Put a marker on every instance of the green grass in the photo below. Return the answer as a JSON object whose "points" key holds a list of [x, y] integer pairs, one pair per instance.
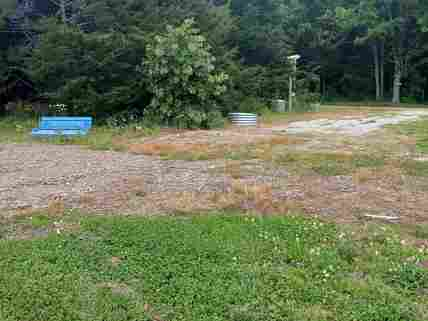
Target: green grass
{"points": [[414, 168], [38, 221], [417, 130], [212, 268], [326, 164], [14, 130], [270, 117], [18, 130], [373, 103]]}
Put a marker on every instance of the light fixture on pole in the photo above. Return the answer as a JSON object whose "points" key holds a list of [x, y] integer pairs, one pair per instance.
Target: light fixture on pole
{"points": [[291, 93]]}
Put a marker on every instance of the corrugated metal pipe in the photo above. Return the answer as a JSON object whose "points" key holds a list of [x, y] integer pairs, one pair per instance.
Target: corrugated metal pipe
{"points": [[243, 119]]}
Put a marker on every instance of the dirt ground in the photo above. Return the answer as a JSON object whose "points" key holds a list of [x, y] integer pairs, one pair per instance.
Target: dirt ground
{"points": [[50, 177]]}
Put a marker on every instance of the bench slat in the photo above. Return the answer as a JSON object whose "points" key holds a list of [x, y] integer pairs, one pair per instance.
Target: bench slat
{"points": [[62, 126], [65, 123], [59, 132]]}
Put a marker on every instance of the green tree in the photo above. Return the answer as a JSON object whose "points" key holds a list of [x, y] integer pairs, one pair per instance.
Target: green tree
{"points": [[7, 5], [387, 21], [93, 73], [368, 17], [180, 74]]}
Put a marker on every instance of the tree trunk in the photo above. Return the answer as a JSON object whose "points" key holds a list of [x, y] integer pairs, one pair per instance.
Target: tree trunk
{"points": [[376, 70], [382, 69], [397, 82], [63, 11], [323, 87]]}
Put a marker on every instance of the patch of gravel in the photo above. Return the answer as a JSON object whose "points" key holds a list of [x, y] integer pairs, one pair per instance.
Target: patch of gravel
{"points": [[348, 126], [34, 175]]}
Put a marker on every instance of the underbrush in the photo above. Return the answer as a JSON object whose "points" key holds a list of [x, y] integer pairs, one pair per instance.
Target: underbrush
{"points": [[216, 267], [18, 130]]}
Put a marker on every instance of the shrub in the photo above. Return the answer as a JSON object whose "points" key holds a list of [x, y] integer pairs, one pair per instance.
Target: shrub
{"points": [[306, 102], [125, 118], [253, 105], [409, 100], [181, 76]]}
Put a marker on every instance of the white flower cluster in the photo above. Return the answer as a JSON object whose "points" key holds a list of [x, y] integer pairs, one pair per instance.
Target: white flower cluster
{"points": [[58, 108]]}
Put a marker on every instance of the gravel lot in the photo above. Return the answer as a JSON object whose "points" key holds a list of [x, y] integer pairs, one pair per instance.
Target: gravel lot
{"points": [[32, 175]]}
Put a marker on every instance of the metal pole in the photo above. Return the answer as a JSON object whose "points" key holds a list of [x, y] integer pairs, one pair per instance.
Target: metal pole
{"points": [[294, 81], [290, 94], [293, 73]]}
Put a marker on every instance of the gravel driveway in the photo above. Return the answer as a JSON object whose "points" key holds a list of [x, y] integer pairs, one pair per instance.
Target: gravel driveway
{"points": [[350, 125], [33, 175]]}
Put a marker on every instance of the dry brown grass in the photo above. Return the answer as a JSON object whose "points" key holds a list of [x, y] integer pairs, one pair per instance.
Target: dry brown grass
{"points": [[260, 148], [128, 189], [115, 261], [19, 213], [183, 151], [257, 197], [363, 175], [283, 140], [390, 173], [87, 200], [181, 202], [56, 207], [233, 169], [251, 191], [136, 185], [241, 195], [253, 197], [120, 143], [159, 149], [407, 140]]}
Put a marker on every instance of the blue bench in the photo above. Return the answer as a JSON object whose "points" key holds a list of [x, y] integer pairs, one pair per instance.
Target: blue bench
{"points": [[62, 126]]}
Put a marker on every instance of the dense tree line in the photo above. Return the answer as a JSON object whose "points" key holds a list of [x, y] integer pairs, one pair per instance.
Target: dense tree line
{"points": [[98, 56]]}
